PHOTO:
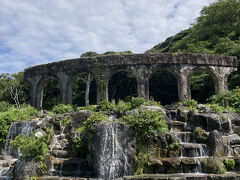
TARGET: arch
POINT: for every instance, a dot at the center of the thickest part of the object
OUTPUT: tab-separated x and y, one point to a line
202	83
164	85
49	92
232	80
122	84
84	89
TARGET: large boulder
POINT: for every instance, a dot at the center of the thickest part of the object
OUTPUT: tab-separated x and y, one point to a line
217	145
24	169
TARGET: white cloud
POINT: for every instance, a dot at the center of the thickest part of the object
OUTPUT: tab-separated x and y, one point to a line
34	32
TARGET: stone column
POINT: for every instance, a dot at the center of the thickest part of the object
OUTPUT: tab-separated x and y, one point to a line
36	91
101	75
184	91
65	87
222	74
142	76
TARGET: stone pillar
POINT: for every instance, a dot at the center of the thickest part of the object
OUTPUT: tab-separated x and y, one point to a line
142	76
222	74
101	75
184	91
65	87
36	91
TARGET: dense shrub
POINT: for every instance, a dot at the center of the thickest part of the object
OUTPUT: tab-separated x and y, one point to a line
123	107
62	108
152	103
229	164
106	106
227	99
136	102
191	103
4	106
31	147
97	117
146	123
14	114
216	108
214	165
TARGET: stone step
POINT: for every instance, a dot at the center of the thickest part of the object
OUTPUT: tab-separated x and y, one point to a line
60	178
177	126
233	139
193	150
60	153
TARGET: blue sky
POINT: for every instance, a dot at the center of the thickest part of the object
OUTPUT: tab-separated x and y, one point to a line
40	31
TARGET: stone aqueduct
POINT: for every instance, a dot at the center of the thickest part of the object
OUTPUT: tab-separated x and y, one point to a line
140	65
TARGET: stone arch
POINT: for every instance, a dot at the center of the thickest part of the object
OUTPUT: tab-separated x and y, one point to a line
87	84
172	86
231	80
43	97
214	79
126	83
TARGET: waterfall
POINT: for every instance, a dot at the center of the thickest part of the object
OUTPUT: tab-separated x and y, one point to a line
16	128
230	125
113	161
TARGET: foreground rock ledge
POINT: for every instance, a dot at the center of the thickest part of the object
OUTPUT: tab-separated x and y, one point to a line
228	176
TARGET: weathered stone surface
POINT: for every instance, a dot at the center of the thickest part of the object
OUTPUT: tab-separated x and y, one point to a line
25	169
154	108
182	113
139	64
217	145
200	135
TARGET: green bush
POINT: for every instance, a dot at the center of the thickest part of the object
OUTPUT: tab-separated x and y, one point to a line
146	123
14	114
136	102
4	106
106	106
214	165
31	147
62	108
191	104
227	99
229	164
152	103
123	107
216	108
97	117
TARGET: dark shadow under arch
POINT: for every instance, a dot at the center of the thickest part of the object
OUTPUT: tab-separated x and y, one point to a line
202	85
51	93
121	85
233	80
79	90
163	86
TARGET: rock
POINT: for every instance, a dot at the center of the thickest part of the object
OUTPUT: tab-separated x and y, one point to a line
204	109
200	135
182	113
39	133
207	121
79	117
24	169
217	145
154	108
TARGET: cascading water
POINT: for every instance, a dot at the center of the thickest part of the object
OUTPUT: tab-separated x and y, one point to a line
16	128
113	161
